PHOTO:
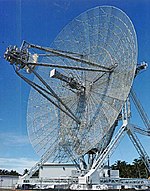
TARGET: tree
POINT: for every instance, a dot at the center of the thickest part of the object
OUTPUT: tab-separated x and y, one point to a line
25	171
36	174
140	167
122	166
6	172
135	170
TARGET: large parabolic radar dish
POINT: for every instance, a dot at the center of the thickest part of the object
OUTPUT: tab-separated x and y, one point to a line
103	36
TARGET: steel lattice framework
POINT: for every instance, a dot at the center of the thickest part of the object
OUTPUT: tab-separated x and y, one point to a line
101	38
81	88
82	81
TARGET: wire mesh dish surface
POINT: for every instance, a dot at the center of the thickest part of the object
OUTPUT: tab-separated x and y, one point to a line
102	35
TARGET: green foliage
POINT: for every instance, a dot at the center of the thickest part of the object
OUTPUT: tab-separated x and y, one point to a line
135	170
6	172
15	173
36	174
25	171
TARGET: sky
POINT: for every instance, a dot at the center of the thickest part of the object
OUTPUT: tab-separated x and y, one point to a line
39	22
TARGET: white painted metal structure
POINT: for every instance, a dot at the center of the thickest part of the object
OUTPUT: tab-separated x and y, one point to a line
75	112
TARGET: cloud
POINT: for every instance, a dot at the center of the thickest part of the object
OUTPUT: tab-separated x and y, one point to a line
18	164
62	5
10	139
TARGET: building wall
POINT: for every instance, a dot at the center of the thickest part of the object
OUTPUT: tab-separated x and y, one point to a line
56	170
114	173
49	171
106	173
8	181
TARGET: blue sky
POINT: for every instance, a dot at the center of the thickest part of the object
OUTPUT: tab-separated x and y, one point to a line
39	22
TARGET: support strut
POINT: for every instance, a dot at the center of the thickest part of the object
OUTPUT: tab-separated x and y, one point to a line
140	149
140	109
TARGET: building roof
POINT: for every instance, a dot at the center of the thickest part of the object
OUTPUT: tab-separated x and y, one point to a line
59	164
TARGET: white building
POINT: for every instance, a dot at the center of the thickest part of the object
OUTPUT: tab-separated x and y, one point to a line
49	171
8	181
59	170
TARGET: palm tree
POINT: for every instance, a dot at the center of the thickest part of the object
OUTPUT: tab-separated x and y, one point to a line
122	167
135	170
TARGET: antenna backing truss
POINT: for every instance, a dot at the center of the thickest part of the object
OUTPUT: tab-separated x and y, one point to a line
20	58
